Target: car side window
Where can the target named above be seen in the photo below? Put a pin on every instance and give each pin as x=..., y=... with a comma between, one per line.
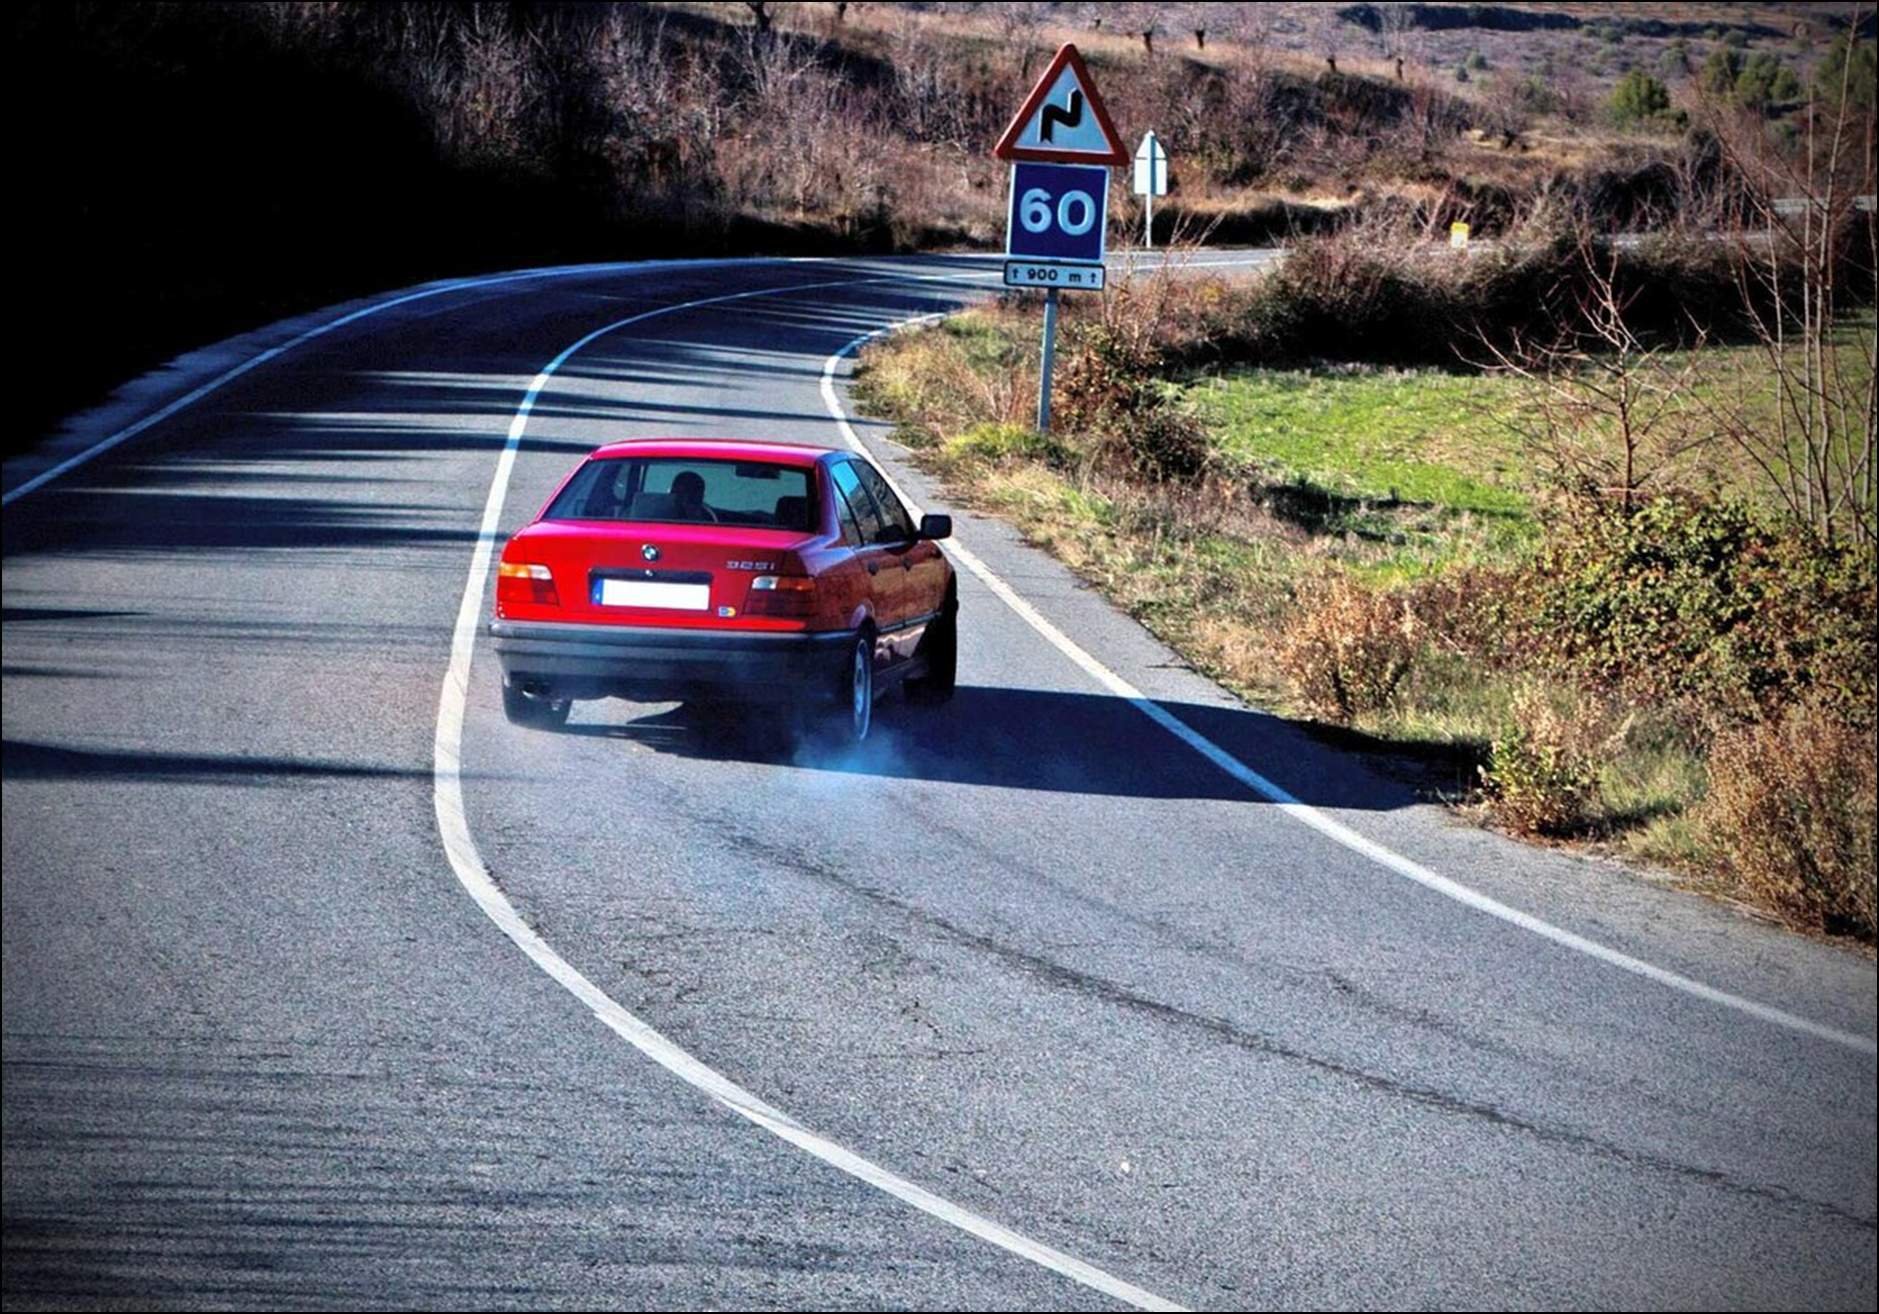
x=861, y=510
x=896, y=525
x=851, y=528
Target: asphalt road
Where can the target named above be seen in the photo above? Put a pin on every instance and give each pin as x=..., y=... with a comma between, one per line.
x=1030, y=951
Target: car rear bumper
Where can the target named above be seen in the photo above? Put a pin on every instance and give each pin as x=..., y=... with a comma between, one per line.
x=651, y=663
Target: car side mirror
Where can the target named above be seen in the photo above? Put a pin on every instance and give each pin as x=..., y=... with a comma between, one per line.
x=932, y=526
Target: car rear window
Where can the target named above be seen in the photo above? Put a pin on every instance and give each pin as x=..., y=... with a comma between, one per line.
x=682, y=490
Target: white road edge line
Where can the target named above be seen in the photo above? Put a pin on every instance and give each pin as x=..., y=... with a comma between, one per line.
x=195, y=395
x=454, y=827
x=1325, y=825
x=228, y=376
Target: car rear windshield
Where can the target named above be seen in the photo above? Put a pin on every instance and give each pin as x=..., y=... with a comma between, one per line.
x=683, y=490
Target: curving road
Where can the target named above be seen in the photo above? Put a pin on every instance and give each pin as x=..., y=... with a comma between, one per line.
x=1143, y=1033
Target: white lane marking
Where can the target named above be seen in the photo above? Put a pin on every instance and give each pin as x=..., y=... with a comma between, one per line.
x=229, y=376
x=1325, y=825
x=454, y=826
x=195, y=395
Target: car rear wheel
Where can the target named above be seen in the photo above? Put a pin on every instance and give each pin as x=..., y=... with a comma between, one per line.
x=538, y=711
x=848, y=717
x=939, y=648
x=859, y=709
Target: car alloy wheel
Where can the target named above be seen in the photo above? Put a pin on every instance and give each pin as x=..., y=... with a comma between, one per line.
x=861, y=692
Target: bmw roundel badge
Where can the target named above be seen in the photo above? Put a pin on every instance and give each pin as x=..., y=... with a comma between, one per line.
x=649, y=552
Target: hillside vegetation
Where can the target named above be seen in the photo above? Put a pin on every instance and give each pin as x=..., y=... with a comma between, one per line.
x=205, y=167
x=1580, y=528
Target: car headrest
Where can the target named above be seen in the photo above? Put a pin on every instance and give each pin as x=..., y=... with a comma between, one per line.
x=792, y=512
x=652, y=506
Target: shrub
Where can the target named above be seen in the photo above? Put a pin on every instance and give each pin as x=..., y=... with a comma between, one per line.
x=1791, y=811
x=1112, y=390
x=1165, y=442
x=1718, y=75
x=1347, y=649
x=1111, y=372
x=1852, y=66
x=1639, y=98
x=1685, y=598
x=997, y=442
x=1375, y=294
x=1541, y=776
x=1644, y=601
x=1473, y=612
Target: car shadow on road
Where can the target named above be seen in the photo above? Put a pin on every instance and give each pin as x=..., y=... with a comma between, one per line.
x=1082, y=743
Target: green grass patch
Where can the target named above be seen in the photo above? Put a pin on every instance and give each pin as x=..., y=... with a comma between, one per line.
x=1421, y=437
x=1422, y=485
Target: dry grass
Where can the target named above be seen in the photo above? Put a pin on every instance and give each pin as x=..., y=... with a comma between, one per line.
x=1791, y=814
x=1361, y=556
x=1347, y=649
x=1542, y=773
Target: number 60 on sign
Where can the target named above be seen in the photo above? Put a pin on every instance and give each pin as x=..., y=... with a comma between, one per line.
x=1058, y=212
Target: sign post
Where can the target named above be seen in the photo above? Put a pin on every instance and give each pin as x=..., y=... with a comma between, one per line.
x=1061, y=145
x=1044, y=365
x=1151, y=180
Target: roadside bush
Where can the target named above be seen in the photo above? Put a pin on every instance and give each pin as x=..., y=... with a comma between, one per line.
x=1541, y=777
x=1687, y=598
x=1648, y=601
x=1815, y=631
x=1165, y=443
x=1347, y=648
x=1378, y=294
x=1112, y=391
x=1474, y=612
x=1791, y=811
x=1111, y=372
x=997, y=442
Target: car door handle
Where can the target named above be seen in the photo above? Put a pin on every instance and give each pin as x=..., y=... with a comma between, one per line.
x=874, y=567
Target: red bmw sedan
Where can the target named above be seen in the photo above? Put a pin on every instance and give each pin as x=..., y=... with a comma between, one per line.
x=725, y=571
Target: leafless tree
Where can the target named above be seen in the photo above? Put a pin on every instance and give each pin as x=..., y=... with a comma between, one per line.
x=1802, y=237
x=1396, y=33
x=1326, y=33
x=1577, y=91
x=1251, y=26
x=1506, y=113
x=1608, y=417
x=1021, y=23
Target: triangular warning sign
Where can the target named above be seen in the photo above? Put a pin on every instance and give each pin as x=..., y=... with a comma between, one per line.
x=1063, y=119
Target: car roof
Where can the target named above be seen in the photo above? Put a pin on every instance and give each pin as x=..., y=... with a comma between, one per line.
x=797, y=454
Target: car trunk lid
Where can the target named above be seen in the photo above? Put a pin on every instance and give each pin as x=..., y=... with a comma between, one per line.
x=645, y=573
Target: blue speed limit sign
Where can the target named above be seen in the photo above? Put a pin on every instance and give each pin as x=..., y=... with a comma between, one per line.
x=1058, y=211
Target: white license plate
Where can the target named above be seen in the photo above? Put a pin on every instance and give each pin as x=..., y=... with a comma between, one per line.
x=654, y=593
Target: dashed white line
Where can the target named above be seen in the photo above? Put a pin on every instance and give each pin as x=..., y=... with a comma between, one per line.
x=1325, y=825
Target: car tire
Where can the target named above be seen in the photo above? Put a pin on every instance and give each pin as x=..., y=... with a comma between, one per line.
x=535, y=712
x=939, y=648
x=853, y=714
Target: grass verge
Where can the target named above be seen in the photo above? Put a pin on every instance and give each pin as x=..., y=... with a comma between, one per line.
x=1360, y=550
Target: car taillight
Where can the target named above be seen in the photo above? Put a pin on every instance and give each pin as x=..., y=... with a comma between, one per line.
x=781, y=595
x=526, y=584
